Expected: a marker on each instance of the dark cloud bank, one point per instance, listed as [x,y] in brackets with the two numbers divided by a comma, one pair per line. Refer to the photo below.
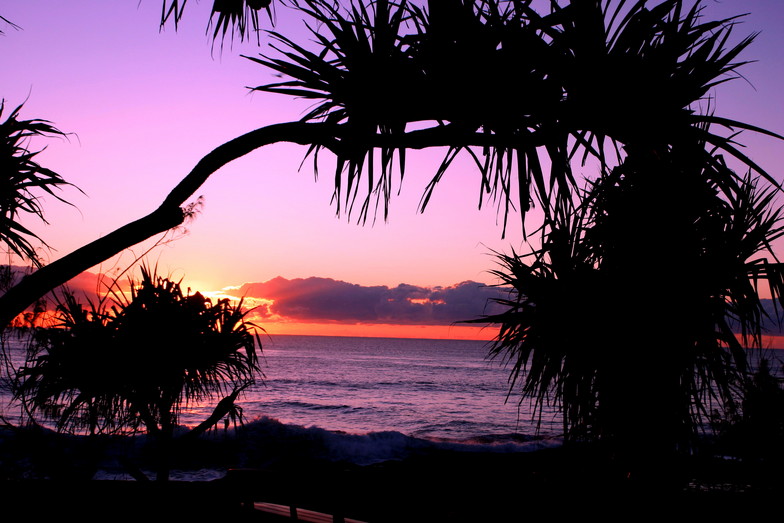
[327,300]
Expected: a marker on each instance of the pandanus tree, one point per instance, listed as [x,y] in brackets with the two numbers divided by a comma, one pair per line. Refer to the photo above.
[655,269]
[130,363]
[528,95]
[504,84]
[635,326]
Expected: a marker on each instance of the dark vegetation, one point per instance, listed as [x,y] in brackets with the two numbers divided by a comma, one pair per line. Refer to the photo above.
[127,363]
[664,250]
[23,181]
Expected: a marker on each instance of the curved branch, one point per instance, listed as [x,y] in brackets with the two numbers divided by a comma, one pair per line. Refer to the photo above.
[168,215]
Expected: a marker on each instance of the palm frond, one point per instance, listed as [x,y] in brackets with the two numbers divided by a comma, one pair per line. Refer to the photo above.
[570,317]
[503,74]
[361,61]
[9,23]
[235,18]
[24,181]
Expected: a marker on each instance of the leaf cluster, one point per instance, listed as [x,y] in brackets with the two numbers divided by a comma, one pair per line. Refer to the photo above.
[138,361]
[237,18]
[638,257]
[513,88]
[23,181]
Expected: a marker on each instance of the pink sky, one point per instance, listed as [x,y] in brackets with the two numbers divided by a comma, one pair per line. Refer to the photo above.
[145,106]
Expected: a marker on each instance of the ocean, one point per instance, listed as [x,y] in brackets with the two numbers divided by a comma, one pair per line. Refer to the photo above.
[332,399]
[436,389]
[366,400]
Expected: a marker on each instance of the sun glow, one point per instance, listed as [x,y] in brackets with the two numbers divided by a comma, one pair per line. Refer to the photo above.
[376,330]
[425,301]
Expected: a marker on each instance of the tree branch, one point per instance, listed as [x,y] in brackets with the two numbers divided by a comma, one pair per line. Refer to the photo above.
[168,215]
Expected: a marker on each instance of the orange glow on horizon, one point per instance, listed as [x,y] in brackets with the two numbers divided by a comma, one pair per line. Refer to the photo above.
[773,342]
[438,332]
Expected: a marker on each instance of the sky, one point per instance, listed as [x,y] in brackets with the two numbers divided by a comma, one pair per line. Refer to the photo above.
[144,105]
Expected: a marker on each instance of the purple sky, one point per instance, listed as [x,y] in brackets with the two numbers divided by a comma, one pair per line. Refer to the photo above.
[145,106]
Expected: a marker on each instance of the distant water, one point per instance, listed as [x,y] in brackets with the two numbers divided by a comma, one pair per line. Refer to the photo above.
[436,389]
[422,388]
[358,400]
[370,399]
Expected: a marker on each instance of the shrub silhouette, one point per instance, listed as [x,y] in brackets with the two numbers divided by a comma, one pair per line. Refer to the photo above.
[137,363]
[618,83]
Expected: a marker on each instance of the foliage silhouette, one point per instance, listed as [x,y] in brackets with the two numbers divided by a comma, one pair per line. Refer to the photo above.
[753,428]
[505,84]
[23,181]
[7,22]
[549,51]
[138,362]
[239,17]
[658,264]
[651,335]
[445,65]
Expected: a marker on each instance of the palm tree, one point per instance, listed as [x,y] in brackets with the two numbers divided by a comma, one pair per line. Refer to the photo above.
[652,306]
[419,73]
[505,84]
[594,245]
[533,88]
[137,363]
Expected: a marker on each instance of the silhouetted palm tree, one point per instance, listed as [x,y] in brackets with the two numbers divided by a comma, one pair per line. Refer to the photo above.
[137,363]
[630,323]
[505,84]
[618,82]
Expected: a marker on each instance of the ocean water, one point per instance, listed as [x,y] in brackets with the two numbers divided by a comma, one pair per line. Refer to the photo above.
[436,389]
[342,399]
[365,400]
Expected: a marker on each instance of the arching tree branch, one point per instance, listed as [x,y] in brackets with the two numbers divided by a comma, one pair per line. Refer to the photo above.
[165,217]
[169,214]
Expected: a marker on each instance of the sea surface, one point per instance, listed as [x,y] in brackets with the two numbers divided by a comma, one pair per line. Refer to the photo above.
[438,389]
[441,389]
[353,400]
[365,400]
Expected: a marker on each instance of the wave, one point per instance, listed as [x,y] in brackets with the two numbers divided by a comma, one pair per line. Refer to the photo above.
[262,443]
[310,406]
[273,440]
[350,385]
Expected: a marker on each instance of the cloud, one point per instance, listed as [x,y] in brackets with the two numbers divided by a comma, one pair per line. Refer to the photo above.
[327,300]
[773,319]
